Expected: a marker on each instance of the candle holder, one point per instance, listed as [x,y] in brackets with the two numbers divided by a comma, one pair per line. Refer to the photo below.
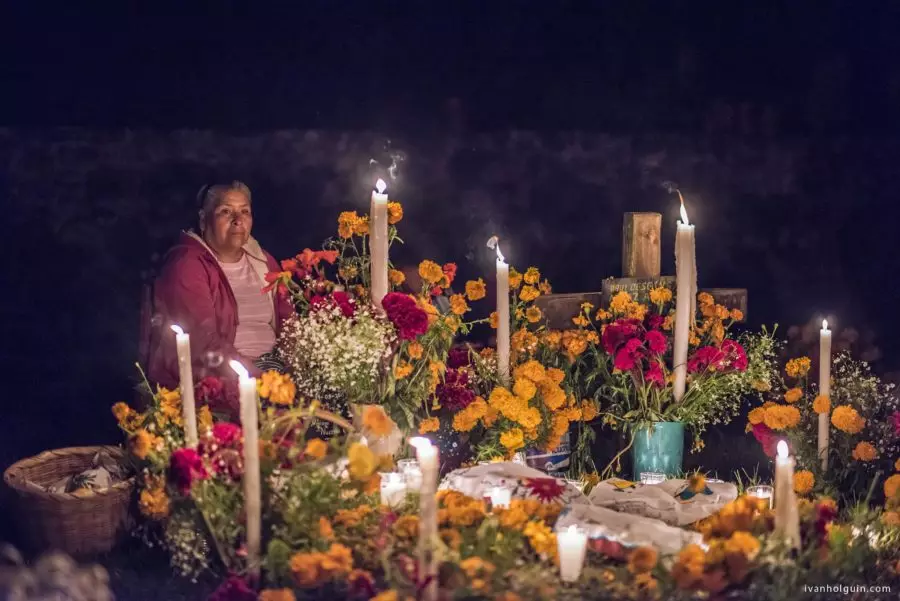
[500,496]
[571,544]
[762,492]
[652,478]
[412,472]
[519,458]
[393,489]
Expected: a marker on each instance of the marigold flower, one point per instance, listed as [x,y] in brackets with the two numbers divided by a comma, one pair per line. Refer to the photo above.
[642,559]
[523,341]
[406,527]
[376,421]
[316,448]
[121,411]
[580,320]
[524,389]
[533,314]
[529,293]
[362,462]
[660,295]
[347,221]
[737,314]
[476,289]
[697,483]
[821,404]
[892,487]
[395,212]
[515,278]
[431,424]
[705,299]
[389,595]
[154,503]
[553,396]
[603,315]
[669,323]
[781,417]
[588,410]
[847,419]
[897,466]
[361,227]
[458,304]
[541,538]
[464,420]
[494,320]
[513,439]
[793,395]
[278,388]
[325,529]
[396,277]
[890,518]
[532,275]
[803,481]
[279,594]
[756,416]
[204,419]
[415,350]
[864,451]
[141,444]
[620,302]
[430,272]
[797,368]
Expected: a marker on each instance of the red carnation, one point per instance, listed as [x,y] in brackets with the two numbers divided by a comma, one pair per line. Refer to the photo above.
[656,341]
[343,300]
[410,321]
[618,333]
[227,435]
[545,489]
[185,466]
[628,355]
[654,375]
[654,321]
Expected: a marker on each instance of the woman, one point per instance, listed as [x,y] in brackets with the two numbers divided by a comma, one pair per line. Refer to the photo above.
[211,285]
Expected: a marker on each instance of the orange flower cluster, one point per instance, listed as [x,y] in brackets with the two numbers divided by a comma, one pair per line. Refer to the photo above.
[847,419]
[315,568]
[458,510]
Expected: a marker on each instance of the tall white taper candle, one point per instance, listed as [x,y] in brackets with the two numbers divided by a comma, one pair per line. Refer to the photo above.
[427,455]
[186,383]
[824,389]
[378,242]
[685,293]
[787,517]
[502,312]
[252,492]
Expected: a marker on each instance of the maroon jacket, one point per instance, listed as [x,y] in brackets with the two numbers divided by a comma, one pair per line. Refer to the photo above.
[193,292]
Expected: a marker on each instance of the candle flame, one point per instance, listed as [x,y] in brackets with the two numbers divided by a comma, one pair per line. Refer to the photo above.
[494,244]
[824,324]
[380,186]
[420,442]
[239,369]
[684,217]
[782,449]
[177,329]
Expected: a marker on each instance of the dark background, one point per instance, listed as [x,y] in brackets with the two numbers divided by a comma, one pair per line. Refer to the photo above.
[540,121]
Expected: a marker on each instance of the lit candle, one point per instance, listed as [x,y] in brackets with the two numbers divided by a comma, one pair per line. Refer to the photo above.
[252,493]
[378,242]
[686,290]
[761,492]
[393,489]
[824,389]
[186,383]
[500,496]
[502,311]
[572,544]
[427,455]
[787,517]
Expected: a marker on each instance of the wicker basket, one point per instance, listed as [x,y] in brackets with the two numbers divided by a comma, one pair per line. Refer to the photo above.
[80,523]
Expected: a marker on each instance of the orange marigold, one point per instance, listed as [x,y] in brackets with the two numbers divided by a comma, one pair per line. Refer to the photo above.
[430,272]
[821,404]
[432,424]
[476,289]
[494,320]
[847,419]
[415,350]
[803,481]
[797,368]
[376,421]
[793,395]
[533,314]
[396,277]
[864,451]
[395,212]
[529,293]
[532,275]
[458,304]
[782,417]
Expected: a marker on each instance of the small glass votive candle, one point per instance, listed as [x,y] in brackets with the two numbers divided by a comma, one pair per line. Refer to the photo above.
[571,544]
[762,492]
[393,489]
[501,496]
[579,484]
[519,458]
[652,478]
[412,472]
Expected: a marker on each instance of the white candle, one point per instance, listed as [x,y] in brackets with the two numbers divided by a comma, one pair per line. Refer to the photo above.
[378,242]
[186,383]
[787,517]
[502,312]
[685,292]
[761,492]
[824,389]
[428,463]
[571,544]
[500,497]
[393,489]
[252,492]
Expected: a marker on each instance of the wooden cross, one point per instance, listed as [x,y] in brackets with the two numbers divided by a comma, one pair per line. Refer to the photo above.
[641,261]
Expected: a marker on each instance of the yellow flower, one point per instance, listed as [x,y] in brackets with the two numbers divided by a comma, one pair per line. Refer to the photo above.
[890,518]
[705,299]
[350,518]
[121,411]
[361,227]
[415,350]
[553,396]
[529,418]
[541,538]
[782,417]
[523,341]
[451,538]
[475,289]
[864,451]
[326,531]
[742,543]
[660,295]
[803,482]
[737,314]
[376,421]
[316,448]
[464,421]
[532,370]
[892,487]
[141,444]
[406,527]
[396,277]
[697,483]
[154,503]
[362,461]
[280,594]
[756,416]
[555,375]
[278,388]
[432,424]
[545,287]
[793,395]
[529,293]
[822,404]
[532,275]
[170,406]
[204,419]
[458,304]
[588,410]
[897,466]
[347,221]
[603,315]
[402,370]
[620,302]
[669,322]
[515,278]
[797,368]
[642,559]
[580,320]
[395,212]
[430,272]
[494,320]
[846,419]
[390,595]
[533,314]
[513,439]
[524,389]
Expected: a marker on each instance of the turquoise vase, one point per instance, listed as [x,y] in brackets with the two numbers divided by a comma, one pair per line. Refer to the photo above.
[658,448]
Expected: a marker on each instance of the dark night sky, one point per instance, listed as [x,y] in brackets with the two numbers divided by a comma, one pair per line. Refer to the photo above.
[395,64]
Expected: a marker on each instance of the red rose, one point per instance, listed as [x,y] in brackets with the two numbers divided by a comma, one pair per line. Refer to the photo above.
[185,466]
[410,321]
[656,341]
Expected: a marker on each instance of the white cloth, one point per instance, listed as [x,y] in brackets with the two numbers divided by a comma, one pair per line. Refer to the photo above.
[661,501]
[523,481]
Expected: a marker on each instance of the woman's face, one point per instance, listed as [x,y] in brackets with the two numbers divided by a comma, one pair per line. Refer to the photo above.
[228,228]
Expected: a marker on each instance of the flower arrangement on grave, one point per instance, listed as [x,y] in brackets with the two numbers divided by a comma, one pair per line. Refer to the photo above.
[344,351]
[864,420]
[627,363]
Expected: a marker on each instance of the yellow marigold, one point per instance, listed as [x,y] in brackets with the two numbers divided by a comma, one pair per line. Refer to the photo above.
[756,416]
[141,444]
[532,275]
[362,462]
[588,410]
[121,411]
[494,320]
[406,527]
[580,320]
[603,315]
[204,419]
[326,531]
[531,370]
[668,322]
[574,343]
[890,518]
[533,314]
[350,518]
[376,421]
[545,287]
[642,559]
[361,227]
[415,350]
[864,451]
[395,212]
[316,448]
[620,302]
[430,272]
[464,420]
[402,370]
[515,278]
[529,293]
[781,417]
[458,304]
[478,407]
[541,538]
[660,295]
[742,543]
[389,595]
[154,503]
[705,299]
[524,388]
[553,396]
[338,559]
[555,375]
[396,277]
[892,487]
[797,368]
[170,406]
[897,466]
[513,439]
[452,538]
[636,311]
[530,418]
[347,221]
[737,314]
[476,289]
[277,594]
[432,424]
[822,404]
[847,419]
[803,481]
[793,395]
[278,388]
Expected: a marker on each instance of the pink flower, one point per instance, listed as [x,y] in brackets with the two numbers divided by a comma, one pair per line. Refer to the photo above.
[185,466]
[654,375]
[410,321]
[226,434]
[767,438]
[706,358]
[735,355]
[654,321]
[656,341]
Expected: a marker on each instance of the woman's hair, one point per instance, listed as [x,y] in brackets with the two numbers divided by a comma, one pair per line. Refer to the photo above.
[209,196]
